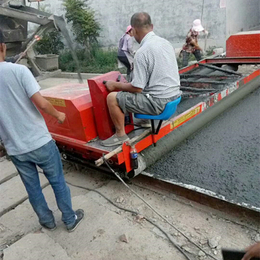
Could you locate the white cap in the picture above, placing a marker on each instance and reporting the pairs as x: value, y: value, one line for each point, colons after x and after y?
x: 197, y: 25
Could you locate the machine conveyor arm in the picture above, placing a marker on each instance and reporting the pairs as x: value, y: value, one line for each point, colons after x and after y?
x: 27, y: 14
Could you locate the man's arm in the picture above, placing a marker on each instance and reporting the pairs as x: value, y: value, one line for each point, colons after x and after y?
x: 196, y: 45
x: 252, y: 251
x: 47, y: 107
x: 193, y: 42
x: 130, y: 46
x: 32, y: 88
x: 127, y: 87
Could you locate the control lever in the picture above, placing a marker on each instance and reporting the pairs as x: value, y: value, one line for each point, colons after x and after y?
x: 118, y: 78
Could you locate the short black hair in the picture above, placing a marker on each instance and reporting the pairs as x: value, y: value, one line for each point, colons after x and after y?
x: 141, y: 20
x: 1, y: 37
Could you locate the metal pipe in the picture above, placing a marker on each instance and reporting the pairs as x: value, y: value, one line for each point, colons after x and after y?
x: 198, y: 89
x: 186, y: 75
x: 26, y: 16
x: 220, y: 69
x: 205, y: 81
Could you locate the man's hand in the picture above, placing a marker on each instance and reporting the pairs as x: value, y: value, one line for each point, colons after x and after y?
x: 110, y: 85
x: 47, y: 107
x: 2, y: 151
x: 61, y: 117
x: 252, y: 251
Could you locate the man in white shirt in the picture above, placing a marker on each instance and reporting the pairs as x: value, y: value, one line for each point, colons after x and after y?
x: 155, y: 81
x: 28, y: 142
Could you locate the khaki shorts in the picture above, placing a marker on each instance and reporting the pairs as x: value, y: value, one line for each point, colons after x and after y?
x: 142, y: 103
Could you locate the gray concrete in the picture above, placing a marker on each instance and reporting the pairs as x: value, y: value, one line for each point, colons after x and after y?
x: 33, y: 247
x: 242, y: 15
x: 23, y: 214
x: 14, y: 193
x: 98, y: 236
x: 7, y: 170
x: 223, y: 157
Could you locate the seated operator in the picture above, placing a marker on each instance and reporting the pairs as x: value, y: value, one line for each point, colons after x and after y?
x: 155, y: 81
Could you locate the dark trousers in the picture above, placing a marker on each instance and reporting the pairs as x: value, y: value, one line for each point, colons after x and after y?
x: 186, y: 56
x: 125, y: 61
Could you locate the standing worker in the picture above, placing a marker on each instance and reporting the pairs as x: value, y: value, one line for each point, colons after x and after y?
x: 125, y: 52
x: 191, y: 45
x: 29, y: 143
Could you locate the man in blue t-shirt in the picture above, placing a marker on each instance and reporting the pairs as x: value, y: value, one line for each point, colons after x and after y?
x: 28, y: 142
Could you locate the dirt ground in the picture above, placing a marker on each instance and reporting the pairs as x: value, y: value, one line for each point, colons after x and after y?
x: 111, y: 233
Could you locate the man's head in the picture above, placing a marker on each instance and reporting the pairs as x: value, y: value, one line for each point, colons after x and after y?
x: 2, y: 47
x: 141, y: 24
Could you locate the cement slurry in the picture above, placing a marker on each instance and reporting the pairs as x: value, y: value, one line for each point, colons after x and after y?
x: 223, y: 157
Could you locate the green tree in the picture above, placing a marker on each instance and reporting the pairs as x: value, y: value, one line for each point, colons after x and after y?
x: 84, y: 25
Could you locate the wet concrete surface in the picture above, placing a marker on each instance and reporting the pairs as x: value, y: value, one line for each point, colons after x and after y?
x: 223, y: 157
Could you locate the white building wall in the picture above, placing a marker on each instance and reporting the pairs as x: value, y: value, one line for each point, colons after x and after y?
x: 172, y: 18
x: 242, y: 15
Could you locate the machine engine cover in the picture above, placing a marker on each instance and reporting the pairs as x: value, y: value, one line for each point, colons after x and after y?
x: 243, y: 44
x: 74, y: 100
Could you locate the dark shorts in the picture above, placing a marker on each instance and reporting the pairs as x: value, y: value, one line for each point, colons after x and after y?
x: 142, y: 103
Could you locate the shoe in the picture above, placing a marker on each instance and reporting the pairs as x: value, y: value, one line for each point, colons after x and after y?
x: 145, y: 123
x: 79, y: 216
x: 51, y: 226
x: 115, y: 140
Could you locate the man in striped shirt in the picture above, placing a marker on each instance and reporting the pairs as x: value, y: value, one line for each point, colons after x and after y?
x: 155, y: 79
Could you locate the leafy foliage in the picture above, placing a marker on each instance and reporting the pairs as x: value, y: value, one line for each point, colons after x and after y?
x: 95, y: 61
x: 210, y: 50
x: 50, y: 43
x: 84, y: 25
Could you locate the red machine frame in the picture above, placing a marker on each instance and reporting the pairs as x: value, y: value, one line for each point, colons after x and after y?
x: 88, y: 119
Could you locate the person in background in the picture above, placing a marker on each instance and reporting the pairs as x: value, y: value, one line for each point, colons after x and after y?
x: 28, y: 142
x: 191, y: 45
x: 252, y: 251
x: 125, y: 52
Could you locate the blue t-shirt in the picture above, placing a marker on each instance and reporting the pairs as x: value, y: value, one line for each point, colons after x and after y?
x: 22, y: 127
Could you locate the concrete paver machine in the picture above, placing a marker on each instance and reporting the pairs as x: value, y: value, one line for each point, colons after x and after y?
x: 209, y: 87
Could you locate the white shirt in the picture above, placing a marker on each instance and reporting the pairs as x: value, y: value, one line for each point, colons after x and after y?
x: 155, y: 68
x: 22, y: 127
